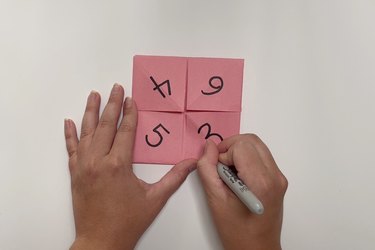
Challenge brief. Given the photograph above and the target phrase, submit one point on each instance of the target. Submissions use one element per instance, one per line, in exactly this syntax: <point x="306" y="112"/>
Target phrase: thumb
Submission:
<point x="227" y="157"/>
<point x="206" y="165"/>
<point x="172" y="180"/>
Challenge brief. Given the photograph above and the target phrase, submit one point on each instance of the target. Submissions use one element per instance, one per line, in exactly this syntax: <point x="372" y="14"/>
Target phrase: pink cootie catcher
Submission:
<point x="183" y="101"/>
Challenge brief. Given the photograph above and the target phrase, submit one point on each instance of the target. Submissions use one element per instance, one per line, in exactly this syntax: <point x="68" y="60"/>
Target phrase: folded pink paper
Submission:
<point x="201" y="126"/>
<point x="159" y="137"/>
<point x="214" y="84"/>
<point x="182" y="102"/>
<point x="159" y="83"/>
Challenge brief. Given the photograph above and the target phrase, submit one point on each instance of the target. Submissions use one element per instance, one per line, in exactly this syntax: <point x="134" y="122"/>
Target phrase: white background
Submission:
<point x="309" y="89"/>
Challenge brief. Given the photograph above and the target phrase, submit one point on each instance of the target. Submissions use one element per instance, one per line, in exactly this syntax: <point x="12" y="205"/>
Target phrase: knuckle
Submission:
<point x="86" y="132"/>
<point x="90" y="164"/>
<point x="200" y="164"/>
<point x="68" y="135"/>
<point x="71" y="152"/>
<point x="104" y="123"/>
<point x="72" y="164"/>
<point x="253" y="138"/>
<point x="126" y="127"/>
<point x="114" y="98"/>
<point x="92" y="173"/>
<point x="111" y="100"/>
<point x="90" y="108"/>
<point x="115" y="162"/>
<point x="90" y="170"/>
<point x="240" y="145"/>
<point x="180" y="175"/>
<point x="283" y="183"/>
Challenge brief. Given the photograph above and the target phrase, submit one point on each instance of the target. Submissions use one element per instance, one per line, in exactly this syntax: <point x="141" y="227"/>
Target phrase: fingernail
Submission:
<point x="205" y="146"/>
<point x="92" y="95"/>
<point x="116" y="87"/>
<point x="66" y="122"/>
<point x="128" y="102"/>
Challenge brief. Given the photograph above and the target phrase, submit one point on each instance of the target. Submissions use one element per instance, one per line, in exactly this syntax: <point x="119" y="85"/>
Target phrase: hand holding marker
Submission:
<point x="240" y="189"/>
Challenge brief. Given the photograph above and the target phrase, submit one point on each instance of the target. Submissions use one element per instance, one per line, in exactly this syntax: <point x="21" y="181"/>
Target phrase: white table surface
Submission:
<point x="309" y="90"/>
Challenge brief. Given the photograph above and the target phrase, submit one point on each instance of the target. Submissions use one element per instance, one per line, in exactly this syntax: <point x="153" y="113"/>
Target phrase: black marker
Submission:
<point x="240" y="189"/>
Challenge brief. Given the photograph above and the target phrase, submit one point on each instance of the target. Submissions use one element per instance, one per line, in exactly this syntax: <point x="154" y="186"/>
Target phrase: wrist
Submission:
<point x="240" y="241"/>
<point x="96" y="244"/>
<point x="251" y="245"/>
<point x="83" y="244"/>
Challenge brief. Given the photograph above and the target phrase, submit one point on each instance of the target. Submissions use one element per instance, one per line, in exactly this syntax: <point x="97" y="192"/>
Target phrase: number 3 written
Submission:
<point x="209" y="134"/>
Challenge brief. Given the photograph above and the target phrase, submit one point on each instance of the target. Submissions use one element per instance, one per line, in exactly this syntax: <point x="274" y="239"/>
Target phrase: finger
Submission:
<point x="107" y="126"/>
<point x="263" y="151"/>
<point x="240" y="154"/>
<point x="247" y="162"/>
<point x="125" y="136"/>
<point x="207" y="170"/>
<point x="90" y="118"/>
<point x="224" y="145"/>
<point x="227" y="158"/>
<point x="174" y="178"/>
<point x="71" y="138"/>
<point x="206" y="165"/>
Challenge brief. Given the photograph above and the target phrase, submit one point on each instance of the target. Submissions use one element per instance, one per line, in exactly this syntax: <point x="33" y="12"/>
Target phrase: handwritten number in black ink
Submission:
<point x="159" y="134"/>
<point x="209" y="134"/>
<point x="157" y="86"/>
<point x="217" y="88"/>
